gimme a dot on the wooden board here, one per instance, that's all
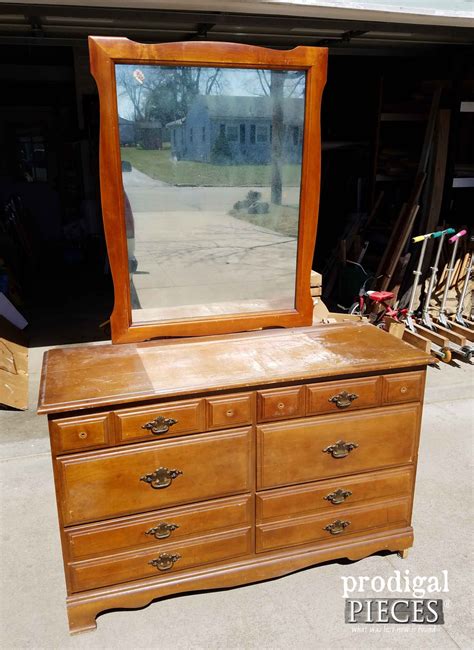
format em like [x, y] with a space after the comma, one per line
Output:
[464, 331]
[417, 341]
[13, 367]
[436, 338]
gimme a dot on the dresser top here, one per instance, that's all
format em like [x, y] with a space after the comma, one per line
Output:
[102, 375]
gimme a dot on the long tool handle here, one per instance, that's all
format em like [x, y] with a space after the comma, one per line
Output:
[464, 289]
[455, 241]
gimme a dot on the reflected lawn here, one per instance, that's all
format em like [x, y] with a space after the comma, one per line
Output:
[157, 164]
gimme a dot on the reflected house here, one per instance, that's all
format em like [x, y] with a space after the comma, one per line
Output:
[220, 129]
[127, 132]
[148, 134]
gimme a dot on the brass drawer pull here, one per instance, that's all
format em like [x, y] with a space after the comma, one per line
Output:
[162, 530]
[343, 400]
[165, 561]
[338, 496]
[340, 449]
[160, 425]
[337, 526]
[161, 477]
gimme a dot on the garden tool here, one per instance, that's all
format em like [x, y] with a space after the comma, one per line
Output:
[459, 312]
[442, 318]
[425, 315]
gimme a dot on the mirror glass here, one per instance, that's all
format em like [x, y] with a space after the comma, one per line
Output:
[211, 169]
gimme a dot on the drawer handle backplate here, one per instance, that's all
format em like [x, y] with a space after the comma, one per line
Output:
[162, 530]
[161, 477]
[165, 561]
[340, 449]
[343, 400]
[337, 526]
[338, 496]
[160, 425]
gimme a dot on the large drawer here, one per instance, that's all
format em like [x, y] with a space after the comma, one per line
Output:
[315, 448]
[334, 494]
[100, 485]
[139, 531]
[172, 557]
[316, 528]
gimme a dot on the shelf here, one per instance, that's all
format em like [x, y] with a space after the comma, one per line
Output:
[467, 107]
[463, 181]
[382, 178]
[403, 117]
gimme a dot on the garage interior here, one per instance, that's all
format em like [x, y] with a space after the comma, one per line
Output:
[381, 81]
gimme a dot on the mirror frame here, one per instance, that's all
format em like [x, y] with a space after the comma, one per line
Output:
[105, 53]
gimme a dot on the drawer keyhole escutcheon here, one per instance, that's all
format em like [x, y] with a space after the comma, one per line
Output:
[165, 561]
[337, 527]
[161, 477]
[338, 496]
[340, 449]
[343, 400]
[82, 435]
[160, 425]
[162, 530]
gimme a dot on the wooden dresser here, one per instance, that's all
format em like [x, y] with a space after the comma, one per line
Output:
[203, 463]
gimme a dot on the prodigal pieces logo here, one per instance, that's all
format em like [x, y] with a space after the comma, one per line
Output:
[414, 602]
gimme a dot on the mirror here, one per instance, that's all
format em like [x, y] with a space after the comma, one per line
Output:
[211, 171]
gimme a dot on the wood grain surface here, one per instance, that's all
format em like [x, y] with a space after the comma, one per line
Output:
[87, 377]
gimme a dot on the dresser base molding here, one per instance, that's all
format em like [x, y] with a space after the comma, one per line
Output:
[83, 608]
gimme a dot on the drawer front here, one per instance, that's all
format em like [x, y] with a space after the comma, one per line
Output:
[344, 395]
[316, 528]
[280, 404]
[118, 482]
[160, 526]
[229, 411]
[333, 495]
[405, 387]
[161, 421]
[124, 567]
[315, 448]
[75, 434]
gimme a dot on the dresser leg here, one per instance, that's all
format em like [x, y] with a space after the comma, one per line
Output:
[403, 554]
[81, 618]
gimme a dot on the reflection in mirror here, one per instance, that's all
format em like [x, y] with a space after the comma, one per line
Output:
[211, 168]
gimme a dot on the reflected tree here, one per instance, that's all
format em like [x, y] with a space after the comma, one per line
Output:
[164, 93]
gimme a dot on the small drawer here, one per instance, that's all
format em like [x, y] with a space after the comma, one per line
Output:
[326, 446]
[160, 421]
[333, 495]
[229, 411]
[149, 476]
[75, 434]
[344, 395]
[405, 387]
[141, 531]
[280, 404]
[167, 558]
[330, 526]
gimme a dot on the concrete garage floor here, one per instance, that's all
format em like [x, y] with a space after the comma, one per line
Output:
[303, 610]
